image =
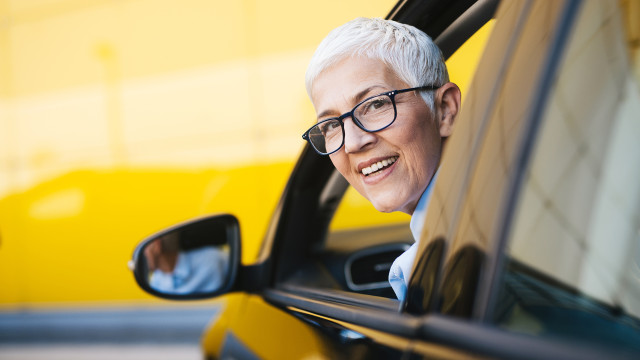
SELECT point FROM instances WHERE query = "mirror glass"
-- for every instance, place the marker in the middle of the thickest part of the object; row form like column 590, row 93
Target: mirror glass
column 187, row 260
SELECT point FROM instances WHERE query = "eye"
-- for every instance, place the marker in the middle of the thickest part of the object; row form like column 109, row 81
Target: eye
column 380, row 103
column 377, row 103
column 329, row 127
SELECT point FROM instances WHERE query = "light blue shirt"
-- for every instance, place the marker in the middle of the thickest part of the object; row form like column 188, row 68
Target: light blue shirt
column 196, row 271
column 401, row 267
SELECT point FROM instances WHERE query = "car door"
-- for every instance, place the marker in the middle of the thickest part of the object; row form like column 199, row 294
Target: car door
column 487, row 283
column 536, row 205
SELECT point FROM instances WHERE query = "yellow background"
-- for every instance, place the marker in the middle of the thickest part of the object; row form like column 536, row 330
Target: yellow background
column 120, row 118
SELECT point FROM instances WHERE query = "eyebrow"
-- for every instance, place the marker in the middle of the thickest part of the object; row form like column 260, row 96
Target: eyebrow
column 354, row 99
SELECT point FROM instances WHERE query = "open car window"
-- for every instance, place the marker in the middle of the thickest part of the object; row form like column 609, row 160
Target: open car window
column 360, row 243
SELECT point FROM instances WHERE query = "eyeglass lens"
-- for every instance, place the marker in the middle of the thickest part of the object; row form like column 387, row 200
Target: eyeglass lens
column 373, row 114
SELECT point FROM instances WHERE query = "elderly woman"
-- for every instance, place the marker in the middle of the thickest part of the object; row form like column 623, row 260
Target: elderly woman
column 384, row 107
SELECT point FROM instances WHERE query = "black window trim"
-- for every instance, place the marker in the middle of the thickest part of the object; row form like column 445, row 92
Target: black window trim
column 370, row 313
column 473, row 337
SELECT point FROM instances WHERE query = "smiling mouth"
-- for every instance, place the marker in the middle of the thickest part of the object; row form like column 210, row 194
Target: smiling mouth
column 380, row 165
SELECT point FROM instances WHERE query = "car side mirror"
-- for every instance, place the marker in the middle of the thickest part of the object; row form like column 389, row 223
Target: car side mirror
column 193, row 260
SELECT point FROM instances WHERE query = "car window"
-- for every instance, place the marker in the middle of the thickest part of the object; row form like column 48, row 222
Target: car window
column 362, row 243
column 573, row 268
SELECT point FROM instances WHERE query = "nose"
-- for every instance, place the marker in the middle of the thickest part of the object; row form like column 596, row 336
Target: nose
column 356, row 139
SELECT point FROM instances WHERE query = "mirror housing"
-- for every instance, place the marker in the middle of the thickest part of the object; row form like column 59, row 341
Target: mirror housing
column 196, row 259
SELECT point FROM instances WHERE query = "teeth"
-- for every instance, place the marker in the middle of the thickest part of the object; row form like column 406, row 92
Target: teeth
column 379, row 165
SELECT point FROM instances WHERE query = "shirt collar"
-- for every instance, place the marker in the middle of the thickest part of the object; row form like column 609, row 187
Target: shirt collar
column 417, row 219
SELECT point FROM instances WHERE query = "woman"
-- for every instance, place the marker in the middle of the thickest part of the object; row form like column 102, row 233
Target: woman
column 384, row 107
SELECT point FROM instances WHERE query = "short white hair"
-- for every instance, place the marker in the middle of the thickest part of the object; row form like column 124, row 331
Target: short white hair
column 407, row 51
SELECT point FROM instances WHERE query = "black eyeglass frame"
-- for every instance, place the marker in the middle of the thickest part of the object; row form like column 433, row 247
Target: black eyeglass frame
column 391, row 94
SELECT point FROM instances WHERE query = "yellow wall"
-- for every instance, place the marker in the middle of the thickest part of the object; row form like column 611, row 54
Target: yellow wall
column 119, row 118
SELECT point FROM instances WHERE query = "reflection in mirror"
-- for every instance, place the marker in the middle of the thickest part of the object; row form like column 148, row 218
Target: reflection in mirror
column 188, row 260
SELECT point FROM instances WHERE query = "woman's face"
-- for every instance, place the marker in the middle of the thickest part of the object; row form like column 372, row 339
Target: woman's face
column 410, row 147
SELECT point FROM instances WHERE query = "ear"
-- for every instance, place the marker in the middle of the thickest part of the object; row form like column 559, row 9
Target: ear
column 447, row 103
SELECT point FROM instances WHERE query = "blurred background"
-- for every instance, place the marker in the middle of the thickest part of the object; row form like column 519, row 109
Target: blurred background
column 119, row 118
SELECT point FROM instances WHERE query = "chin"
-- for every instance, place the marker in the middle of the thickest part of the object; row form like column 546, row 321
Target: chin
column 386, row 201
column 385, row 206
column 390, row 202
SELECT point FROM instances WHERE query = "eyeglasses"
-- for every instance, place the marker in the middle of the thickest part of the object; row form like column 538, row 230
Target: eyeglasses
column 372, row 114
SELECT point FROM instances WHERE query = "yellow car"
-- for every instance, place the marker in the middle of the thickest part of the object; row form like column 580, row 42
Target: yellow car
column 532, row 245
